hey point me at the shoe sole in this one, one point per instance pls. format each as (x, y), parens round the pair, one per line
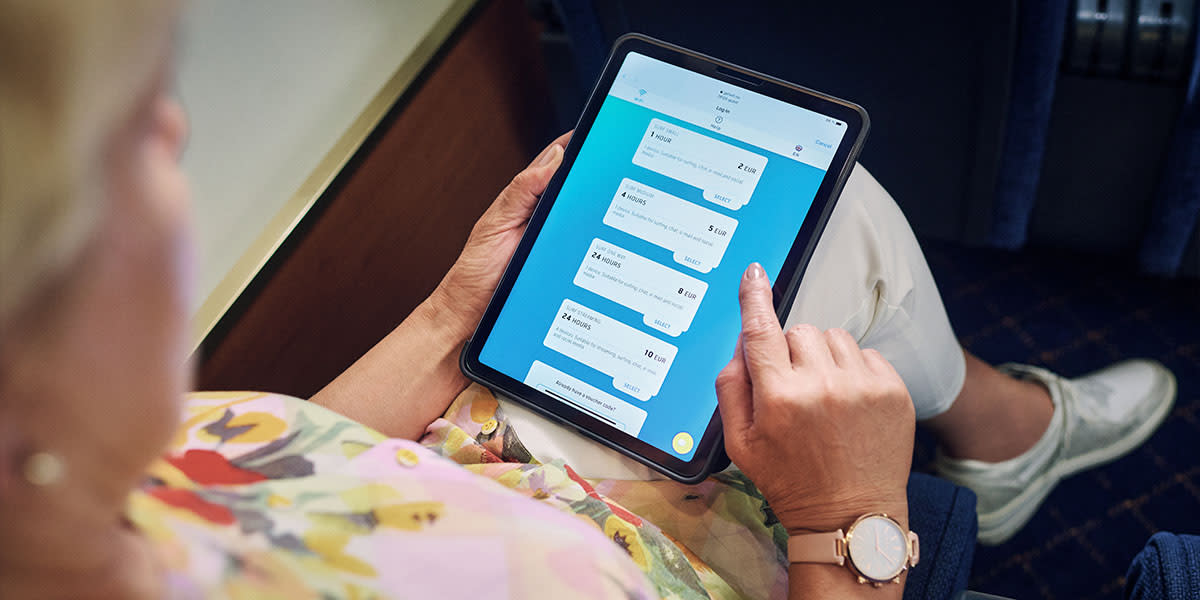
(996, 527)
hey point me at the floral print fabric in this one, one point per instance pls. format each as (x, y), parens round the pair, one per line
(267, 496)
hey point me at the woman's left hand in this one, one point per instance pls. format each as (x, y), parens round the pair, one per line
(466, 289)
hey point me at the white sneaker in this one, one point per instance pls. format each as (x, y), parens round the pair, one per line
(1097, 418)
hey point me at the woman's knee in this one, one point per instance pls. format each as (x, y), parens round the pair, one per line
(854, 258)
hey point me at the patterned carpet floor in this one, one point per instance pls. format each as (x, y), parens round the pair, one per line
(1073, 314)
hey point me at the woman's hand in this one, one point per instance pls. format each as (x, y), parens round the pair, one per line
(466, 289)
(824, 429)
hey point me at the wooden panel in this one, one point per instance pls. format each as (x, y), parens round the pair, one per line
(280, 95)
(392, 224)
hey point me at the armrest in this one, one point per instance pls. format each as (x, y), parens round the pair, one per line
(943, 514)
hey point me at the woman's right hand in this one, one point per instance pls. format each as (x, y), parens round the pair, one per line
(824, 429)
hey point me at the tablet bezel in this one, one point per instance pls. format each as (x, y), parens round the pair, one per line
(787, 282)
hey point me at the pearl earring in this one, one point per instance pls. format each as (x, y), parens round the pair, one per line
(44, 469)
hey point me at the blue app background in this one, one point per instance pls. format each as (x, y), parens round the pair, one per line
(767, 227)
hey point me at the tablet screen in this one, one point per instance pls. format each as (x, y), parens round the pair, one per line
(627, 305)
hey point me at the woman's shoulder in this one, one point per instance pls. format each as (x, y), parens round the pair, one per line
(240, 438)
(249, 411)
(258, 484)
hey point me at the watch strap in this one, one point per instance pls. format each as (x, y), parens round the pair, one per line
(817, 548)
(914, 549)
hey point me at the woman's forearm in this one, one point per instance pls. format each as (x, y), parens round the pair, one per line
(409, 378)
(826, 580)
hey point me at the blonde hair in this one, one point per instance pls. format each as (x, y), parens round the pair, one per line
(70, 72)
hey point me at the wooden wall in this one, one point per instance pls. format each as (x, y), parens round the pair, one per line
(389, 228)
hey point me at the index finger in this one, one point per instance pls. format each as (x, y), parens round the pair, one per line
(733, 395)
(763, 343)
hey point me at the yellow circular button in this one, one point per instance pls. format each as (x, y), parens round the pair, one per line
(407, 457)
(682, 443)
(489, 427)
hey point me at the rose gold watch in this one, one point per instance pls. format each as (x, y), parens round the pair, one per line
(875, 548)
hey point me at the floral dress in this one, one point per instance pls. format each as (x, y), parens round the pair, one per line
(267, 496)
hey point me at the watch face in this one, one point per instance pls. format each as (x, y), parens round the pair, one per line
(877, 548)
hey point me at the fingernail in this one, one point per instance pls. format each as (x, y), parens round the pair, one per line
(548, 156)
(755, 271)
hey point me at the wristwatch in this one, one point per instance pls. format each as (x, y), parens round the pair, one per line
(875, 548)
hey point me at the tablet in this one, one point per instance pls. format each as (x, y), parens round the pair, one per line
(620, 305)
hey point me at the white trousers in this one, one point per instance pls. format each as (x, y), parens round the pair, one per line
(867, 276)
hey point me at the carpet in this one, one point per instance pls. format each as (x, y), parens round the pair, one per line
(1072, 314)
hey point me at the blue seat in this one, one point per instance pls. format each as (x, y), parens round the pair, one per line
(1167, 568)
(943, 515)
